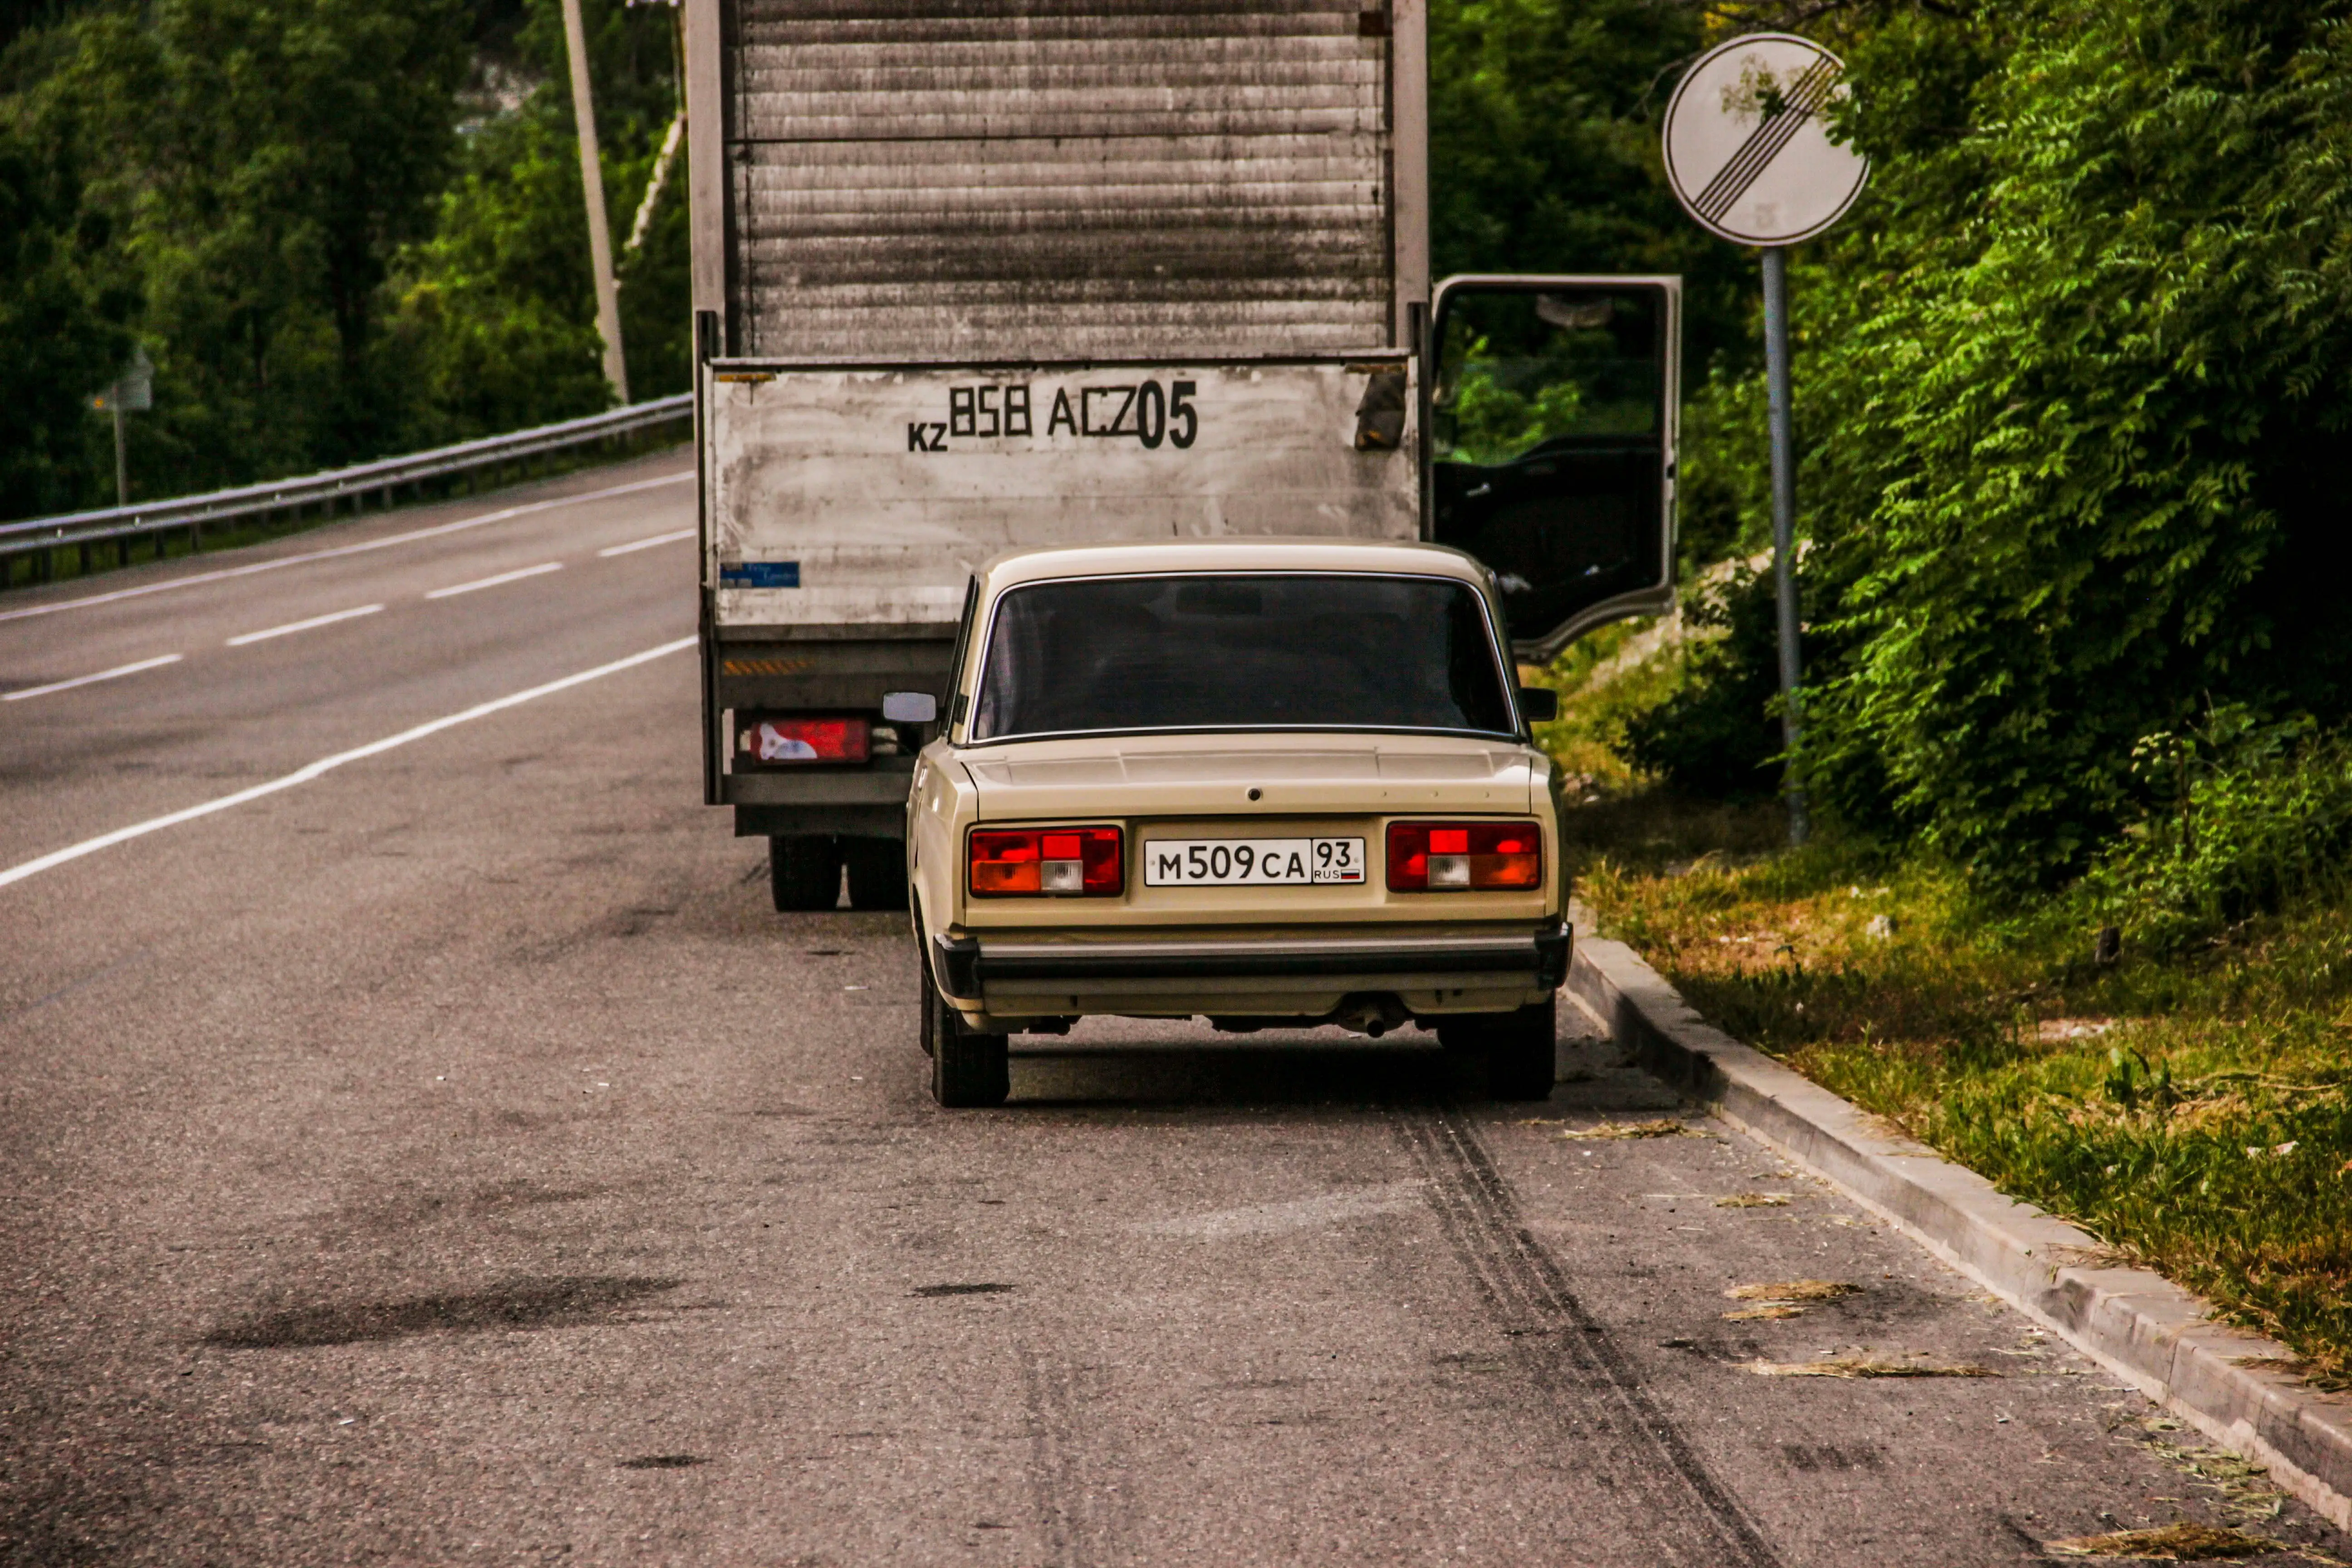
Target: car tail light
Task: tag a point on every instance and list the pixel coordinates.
(1085, 861)
(1461, 857)
(779, 739)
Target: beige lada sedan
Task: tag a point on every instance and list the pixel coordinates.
(1272, 782)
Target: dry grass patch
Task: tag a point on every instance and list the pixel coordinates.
(1794, 1290)
(2183, 1543)
(1664, 1126)
(1865, 1366)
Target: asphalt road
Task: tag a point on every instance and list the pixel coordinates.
(448, 1156)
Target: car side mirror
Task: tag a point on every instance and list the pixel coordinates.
(1539, 704)
(909, 707)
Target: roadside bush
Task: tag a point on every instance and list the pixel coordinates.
(2070, 369)
(2249, 817)
(1717, 733)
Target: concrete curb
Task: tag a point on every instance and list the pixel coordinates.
(2142, 1328)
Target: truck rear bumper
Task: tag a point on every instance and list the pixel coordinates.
(1468, 973)
(867, 802)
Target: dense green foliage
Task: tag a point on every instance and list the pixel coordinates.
(2065, 385)
(498, 303)
(1543, 146)
(2259, 816)
(339, 228)
(1719, 731)
(60, 334)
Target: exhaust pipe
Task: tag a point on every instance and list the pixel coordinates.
(1373, 1016)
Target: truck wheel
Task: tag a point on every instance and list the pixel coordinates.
(1521, 1052)
(968, 1068)
(805, 871)
(877, 873)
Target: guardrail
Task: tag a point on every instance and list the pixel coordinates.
(385, 476)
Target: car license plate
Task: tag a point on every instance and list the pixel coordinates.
(1250, 862)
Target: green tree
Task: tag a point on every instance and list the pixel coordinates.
(60, 339)
(497, 309)
(2082, 369)
(1544, 124)
(2065, 382)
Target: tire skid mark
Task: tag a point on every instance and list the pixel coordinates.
(1582, 1374)
(1070, 1512)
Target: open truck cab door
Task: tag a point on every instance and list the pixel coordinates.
(1554, 408)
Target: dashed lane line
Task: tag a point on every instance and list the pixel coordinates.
(120, 669)
(325, 765)
(386, 542)
(314, 622)
(637, 544)
(480, 583)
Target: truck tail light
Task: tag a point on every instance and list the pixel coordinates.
(1085, 861)
(777, 738)
(1461, 857)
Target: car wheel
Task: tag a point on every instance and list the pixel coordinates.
(1521, 1052)
(877, 873)
(968, 1068)
(1461, 1035)
(805, 871)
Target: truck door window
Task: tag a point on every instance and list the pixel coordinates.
(1550, 443)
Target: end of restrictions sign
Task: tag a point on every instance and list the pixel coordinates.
(1748, 148)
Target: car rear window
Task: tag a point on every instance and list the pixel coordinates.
(1241, 650)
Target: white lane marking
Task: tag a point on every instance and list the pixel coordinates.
(645, 543)
(384, 544)
(85, 679)
(493, 581)
(324, 765)
(326, 620)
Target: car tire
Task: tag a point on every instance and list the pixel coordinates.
(877, 872)
(1522, 1051)
(968, 1069)
(1463, 1036)
(805, 871)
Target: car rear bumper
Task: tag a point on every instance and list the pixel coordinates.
(1016, 976)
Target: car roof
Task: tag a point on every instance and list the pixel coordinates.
(1251, 553)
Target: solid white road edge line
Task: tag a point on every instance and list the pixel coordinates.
(493, 581)
(612, 550)
(435, 531)
(326, 620)
(328, 764)
(86, 679)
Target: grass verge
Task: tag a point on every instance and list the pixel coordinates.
(2191, 1108)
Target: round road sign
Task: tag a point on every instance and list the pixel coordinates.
(1746, 151)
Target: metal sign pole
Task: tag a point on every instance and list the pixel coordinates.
(122, 457)
(1784, 524)
(1749, 153)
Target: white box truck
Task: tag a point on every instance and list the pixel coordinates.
(971, 275)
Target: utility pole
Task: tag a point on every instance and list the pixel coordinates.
(591, 182)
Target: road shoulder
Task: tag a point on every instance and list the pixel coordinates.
(2138, 1325)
